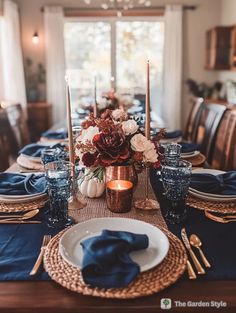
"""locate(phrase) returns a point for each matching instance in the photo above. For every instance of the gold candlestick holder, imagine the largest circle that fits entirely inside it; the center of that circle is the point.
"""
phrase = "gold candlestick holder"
(147, 203)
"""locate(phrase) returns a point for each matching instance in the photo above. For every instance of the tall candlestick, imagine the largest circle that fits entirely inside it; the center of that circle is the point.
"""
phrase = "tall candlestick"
(95, 109)
(147, 107)
(69, 124)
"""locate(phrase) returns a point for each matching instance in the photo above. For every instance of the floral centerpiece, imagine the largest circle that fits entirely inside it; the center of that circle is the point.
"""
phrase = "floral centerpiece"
(114, 139)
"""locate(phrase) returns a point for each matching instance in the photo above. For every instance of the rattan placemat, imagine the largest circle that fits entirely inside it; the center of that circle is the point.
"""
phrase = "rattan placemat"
(26, 206)
(147, 283)
(220, 207)
(26, 163)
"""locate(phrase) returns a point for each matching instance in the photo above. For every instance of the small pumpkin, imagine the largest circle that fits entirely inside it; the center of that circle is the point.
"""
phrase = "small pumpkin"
(91, 186)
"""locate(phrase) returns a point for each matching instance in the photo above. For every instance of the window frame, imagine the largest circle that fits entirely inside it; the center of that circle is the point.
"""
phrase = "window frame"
(112, 20)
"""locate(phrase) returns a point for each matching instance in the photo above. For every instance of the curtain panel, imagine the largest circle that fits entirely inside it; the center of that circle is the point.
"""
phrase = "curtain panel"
(12, 75)
(172, 103)
(55, 60)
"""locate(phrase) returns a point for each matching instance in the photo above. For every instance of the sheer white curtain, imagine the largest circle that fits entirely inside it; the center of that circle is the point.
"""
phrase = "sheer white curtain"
(12, 76)
(55, 60)
(173, 66)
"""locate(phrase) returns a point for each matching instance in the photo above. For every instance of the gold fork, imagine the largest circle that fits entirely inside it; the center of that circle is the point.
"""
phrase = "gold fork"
(225, 219)
(39, 260)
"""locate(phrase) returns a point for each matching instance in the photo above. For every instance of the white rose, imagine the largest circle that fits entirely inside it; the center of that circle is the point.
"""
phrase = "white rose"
(129, 127)
(102, 104)
(139, 143)
(88, 134)
(150, 155)
(118, 114)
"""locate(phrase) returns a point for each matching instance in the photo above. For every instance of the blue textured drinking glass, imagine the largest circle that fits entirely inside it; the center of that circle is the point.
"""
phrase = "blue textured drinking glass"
(172, 153)
(59, 182)
(176, 179)
(51, 155)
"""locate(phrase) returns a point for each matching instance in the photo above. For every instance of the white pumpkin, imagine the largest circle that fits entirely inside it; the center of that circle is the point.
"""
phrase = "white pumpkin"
(91, 187)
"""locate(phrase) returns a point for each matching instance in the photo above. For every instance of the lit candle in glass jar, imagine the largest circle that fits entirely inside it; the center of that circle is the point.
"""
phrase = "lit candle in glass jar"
(119, 195)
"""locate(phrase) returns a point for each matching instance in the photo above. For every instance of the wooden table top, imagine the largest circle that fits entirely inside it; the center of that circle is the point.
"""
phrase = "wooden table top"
(47, 296)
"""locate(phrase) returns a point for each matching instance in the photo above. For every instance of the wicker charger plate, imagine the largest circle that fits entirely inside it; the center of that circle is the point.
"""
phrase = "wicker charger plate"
(26, 206)
(220, 207)
(147, 283)
(26, 163)
(197, 160)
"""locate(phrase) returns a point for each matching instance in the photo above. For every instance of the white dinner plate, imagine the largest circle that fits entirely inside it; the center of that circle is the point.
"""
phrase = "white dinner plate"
(210, 196)
(17, 199)
(71, 250)
(31, 158)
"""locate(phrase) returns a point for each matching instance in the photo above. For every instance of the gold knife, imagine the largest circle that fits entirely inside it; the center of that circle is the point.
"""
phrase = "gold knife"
(191, 273)
(197, 264)
(20, 222)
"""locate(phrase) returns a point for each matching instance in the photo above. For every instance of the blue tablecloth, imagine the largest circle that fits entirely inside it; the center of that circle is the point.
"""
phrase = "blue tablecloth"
(218, 240)
(20, 244)
(19, 249)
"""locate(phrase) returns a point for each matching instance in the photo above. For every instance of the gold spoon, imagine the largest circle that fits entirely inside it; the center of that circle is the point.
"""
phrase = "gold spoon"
(23, 217)
(196, 242)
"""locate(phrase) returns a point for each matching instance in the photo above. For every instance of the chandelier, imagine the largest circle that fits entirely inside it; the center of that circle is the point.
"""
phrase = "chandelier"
(122, 4)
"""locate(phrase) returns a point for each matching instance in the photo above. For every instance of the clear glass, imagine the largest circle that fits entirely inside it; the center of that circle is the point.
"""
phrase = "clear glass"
(51, 155)
(172, 153)
(88, 54)
(59, 181)
(176, 180)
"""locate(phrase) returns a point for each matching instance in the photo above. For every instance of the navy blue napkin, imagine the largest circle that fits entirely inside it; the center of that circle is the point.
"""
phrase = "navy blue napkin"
(106, 260)
(189, 147)
(35, 150)
(173, 134)
(19, 184)
(223, 184)
(55, 134)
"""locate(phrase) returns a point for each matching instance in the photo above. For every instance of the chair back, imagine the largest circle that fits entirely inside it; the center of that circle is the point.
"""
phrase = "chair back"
(224, 154)
(210, 118)
(19, 127)
(193, 120)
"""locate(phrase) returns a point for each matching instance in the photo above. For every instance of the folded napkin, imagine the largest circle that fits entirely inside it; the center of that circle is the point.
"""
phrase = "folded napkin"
(106, 261)
(35, 150)
(55, 134)
(189, 147)
(173, 134)
(19, 184)
(223, 184)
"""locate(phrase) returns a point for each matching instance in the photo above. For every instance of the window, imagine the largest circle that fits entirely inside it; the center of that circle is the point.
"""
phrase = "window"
(116, 51)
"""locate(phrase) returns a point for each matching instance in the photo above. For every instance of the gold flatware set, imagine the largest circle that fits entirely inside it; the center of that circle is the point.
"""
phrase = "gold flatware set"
(223, 218)
(39, 260)
(196, 243)
(20, 218)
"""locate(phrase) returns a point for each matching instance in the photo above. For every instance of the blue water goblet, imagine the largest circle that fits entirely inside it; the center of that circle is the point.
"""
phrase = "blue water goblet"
(51, 155)
(59, 181)
(176, 179)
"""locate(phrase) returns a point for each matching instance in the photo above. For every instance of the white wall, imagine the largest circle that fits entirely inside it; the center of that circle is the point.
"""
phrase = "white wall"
(228, 18)
(196, 23)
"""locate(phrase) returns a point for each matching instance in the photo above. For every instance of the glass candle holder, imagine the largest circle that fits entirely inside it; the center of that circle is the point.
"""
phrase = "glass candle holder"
(176, 180)
(119, 195)
(59, 181)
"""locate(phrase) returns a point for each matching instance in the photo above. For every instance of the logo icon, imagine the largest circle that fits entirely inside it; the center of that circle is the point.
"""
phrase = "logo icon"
(165, 304)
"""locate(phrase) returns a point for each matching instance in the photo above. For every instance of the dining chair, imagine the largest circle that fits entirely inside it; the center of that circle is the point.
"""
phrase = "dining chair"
(19, 127)
(224, 153)
(4, 141)
(193, 120)
(209, 121)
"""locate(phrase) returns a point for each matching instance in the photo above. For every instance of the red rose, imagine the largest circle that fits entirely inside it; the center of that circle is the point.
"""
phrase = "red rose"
(89, 159)
(112, 147)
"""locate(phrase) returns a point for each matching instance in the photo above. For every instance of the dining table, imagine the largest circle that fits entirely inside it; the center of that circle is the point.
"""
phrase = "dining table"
(41, 296)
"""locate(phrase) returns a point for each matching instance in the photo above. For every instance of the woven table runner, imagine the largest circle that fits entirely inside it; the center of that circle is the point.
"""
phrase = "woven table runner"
(98, 208)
